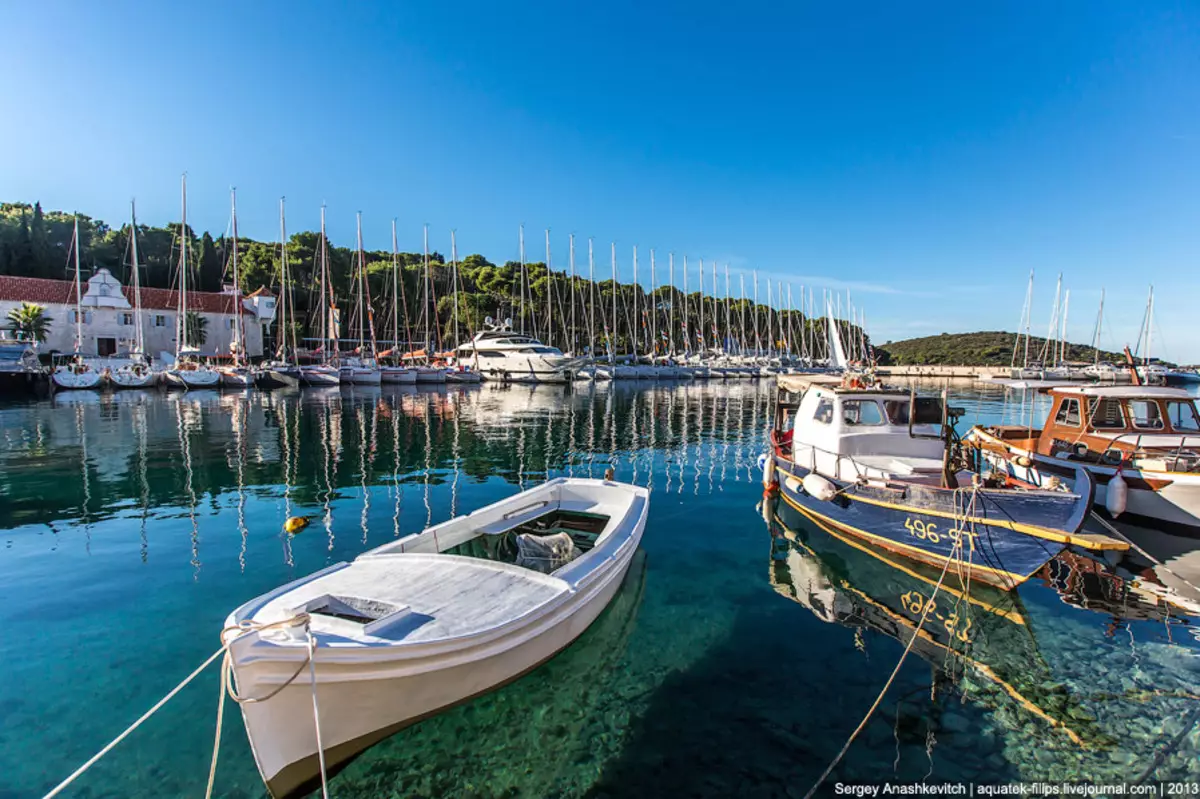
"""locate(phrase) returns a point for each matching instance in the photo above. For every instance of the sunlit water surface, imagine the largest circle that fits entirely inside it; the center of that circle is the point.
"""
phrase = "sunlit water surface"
(741, 652)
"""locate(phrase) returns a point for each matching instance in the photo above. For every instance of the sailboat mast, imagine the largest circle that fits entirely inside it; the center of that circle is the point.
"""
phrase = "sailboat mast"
(591, 299)
(181, 338)
(1149, 324)
(757, 340)
(571, 338)
(454, 281)
(671, 307)
(521, 281)
(281, 350)
(395, 291)
(325, 306)
(687, 337)
(637, 289)
(139, 334)
(612, 335)
(78, 295)
(549, 294)
(237, 284)
(653, 308)
(1096, 332)
(742, 313)
(1062, 337)
(701, 331)
(425, 304)
(728, 327)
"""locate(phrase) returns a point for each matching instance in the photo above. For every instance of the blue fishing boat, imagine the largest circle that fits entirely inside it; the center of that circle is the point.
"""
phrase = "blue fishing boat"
(885, 465)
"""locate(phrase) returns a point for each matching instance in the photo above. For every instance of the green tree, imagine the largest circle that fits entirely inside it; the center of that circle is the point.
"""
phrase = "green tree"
(29, 322)
(211, 268)
(22, 250)
(197, 330)
(39, 248)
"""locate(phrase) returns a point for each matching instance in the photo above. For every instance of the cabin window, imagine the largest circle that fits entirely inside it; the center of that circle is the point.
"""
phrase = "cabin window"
(861, 412)
(929, 411)
(824, 413)
(486, 354)
(1146, 415)
(1107, 414)
(1068, 412)
(1183, 417)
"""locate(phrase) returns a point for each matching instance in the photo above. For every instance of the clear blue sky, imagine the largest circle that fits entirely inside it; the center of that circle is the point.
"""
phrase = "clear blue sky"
(925, 155)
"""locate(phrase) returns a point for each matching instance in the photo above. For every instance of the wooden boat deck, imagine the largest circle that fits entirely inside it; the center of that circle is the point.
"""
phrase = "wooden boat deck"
(447, 596)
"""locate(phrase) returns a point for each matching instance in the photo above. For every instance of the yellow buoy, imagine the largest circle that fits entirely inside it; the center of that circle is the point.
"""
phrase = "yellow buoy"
(295, 524)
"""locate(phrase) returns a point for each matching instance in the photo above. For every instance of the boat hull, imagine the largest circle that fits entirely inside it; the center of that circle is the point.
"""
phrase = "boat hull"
(430, 374)
(993, 552)
(360, 376)
(120, 378)
(192, 378)
(237, 378)
(377, 699)
(67, 379)
(397, 375)
(320, 376)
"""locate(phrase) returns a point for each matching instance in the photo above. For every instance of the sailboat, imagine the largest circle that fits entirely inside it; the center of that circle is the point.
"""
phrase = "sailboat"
(137, 373)
(460, 373)
(187, 371)
(428, 373)
(362, 368)
(283, 371)
(77, 373)
(325, 373)
(239, 374)
(397, 373)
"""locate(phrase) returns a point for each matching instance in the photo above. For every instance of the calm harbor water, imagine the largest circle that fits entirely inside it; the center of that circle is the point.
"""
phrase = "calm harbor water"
(743, 649)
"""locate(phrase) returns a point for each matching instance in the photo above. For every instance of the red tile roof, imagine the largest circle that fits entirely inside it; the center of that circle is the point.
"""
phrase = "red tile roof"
(62, 292)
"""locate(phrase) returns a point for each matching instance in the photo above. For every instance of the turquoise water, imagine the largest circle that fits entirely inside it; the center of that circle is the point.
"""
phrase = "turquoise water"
(743, 649)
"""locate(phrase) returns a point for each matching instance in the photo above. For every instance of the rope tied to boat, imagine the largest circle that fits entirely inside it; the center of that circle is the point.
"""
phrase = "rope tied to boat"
(242, 628)
(955, 550)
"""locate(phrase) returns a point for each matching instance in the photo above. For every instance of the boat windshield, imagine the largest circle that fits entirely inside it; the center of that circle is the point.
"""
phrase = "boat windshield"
(929, 411)
(1183, 416)
(1146, 414)
(1107, 414)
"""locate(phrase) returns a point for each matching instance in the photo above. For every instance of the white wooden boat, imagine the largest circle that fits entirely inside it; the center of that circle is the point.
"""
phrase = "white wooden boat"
(427, 622)
(360, 374)
(462, 375)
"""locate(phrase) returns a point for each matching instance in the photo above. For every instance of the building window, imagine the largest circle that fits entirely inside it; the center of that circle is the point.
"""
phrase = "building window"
(229, 324)
(1068, 413)
(87, 317)
(160, 320)
(127, 319)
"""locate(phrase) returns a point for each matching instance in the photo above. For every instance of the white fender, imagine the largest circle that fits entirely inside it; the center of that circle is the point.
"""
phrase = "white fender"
(768, 467)
(1116, 494)
(817, 486)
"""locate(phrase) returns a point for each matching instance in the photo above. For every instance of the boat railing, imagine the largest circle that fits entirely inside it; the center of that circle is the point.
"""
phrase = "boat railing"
(1133, 445)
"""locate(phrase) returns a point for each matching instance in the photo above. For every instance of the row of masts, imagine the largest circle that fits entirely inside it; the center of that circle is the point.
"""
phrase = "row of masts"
(661, 322)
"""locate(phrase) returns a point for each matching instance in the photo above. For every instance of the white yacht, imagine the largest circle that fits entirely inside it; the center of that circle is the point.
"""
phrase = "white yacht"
(504, 354)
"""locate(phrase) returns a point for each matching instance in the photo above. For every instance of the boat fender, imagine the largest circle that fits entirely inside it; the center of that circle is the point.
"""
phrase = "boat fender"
(1023, 461)
(767, 463)
(1116, 495)
(817, 486)
(295, 524)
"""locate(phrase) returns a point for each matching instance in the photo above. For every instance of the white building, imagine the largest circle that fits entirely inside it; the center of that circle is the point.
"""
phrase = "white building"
(109, 321)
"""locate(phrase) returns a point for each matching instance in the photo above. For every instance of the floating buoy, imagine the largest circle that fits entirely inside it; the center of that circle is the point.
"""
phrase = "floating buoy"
(295, 524)
(1116, 495)
(817, 486)
(768, 470)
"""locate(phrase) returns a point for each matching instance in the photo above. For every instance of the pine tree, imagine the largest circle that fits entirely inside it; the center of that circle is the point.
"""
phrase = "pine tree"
(39, 247)
(210, 265)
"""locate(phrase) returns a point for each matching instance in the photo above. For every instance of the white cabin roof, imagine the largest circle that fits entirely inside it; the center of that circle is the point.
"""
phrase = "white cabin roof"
(1126, 392)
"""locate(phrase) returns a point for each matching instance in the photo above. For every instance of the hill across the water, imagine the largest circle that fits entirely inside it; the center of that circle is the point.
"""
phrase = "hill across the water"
(989, 348)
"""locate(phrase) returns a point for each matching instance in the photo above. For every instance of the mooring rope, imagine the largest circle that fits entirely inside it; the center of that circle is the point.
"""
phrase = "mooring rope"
(226, 686)
(929, 604)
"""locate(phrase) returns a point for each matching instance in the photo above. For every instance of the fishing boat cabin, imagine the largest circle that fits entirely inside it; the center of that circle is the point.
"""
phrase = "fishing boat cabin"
(853, 429)
(1152, 425)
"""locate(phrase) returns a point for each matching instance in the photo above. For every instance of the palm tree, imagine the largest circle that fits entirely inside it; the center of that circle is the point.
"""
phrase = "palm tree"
(29, 322)
(197, 333)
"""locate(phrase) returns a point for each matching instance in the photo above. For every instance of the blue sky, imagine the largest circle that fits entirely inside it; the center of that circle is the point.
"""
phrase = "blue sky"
(924, 156)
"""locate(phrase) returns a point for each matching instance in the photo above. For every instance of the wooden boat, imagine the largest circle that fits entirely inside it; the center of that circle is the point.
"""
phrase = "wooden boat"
(426, 622)
(880, 463)
(1150, 435)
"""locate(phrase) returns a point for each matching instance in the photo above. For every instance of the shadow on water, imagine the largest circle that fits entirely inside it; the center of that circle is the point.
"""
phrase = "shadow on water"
(539, 736)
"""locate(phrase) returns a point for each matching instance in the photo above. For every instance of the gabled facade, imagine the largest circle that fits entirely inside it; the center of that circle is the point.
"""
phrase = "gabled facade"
(108, 315)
